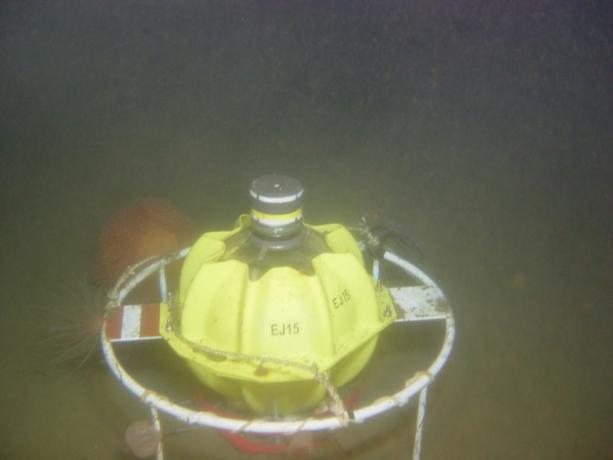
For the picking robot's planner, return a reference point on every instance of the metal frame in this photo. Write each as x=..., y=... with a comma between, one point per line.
x=416, y=384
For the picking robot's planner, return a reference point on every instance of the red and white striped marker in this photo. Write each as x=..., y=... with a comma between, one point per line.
x=130, y=323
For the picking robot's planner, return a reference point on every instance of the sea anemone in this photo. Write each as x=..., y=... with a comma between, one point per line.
x=72, y=327
x=146, y=228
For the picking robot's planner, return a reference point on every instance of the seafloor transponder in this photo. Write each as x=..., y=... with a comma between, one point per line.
x=268, y=307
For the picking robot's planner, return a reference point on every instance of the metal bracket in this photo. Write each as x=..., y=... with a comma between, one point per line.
x=419, y=303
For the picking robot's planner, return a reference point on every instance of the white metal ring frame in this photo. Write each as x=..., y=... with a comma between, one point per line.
x=418, y=383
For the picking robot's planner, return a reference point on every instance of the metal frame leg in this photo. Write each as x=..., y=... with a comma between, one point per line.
x=421, y=413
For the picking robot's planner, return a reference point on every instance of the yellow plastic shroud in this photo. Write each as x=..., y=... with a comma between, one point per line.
x=262, y=341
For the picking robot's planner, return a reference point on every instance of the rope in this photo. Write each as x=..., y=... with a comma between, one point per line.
x=337, y=407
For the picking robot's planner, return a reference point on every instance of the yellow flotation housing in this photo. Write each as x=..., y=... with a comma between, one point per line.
x=262, y=340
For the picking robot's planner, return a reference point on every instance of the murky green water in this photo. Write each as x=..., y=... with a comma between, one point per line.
x=484, y=127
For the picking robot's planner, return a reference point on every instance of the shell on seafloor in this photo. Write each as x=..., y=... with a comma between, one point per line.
x=142, y=439
x=146, y=228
